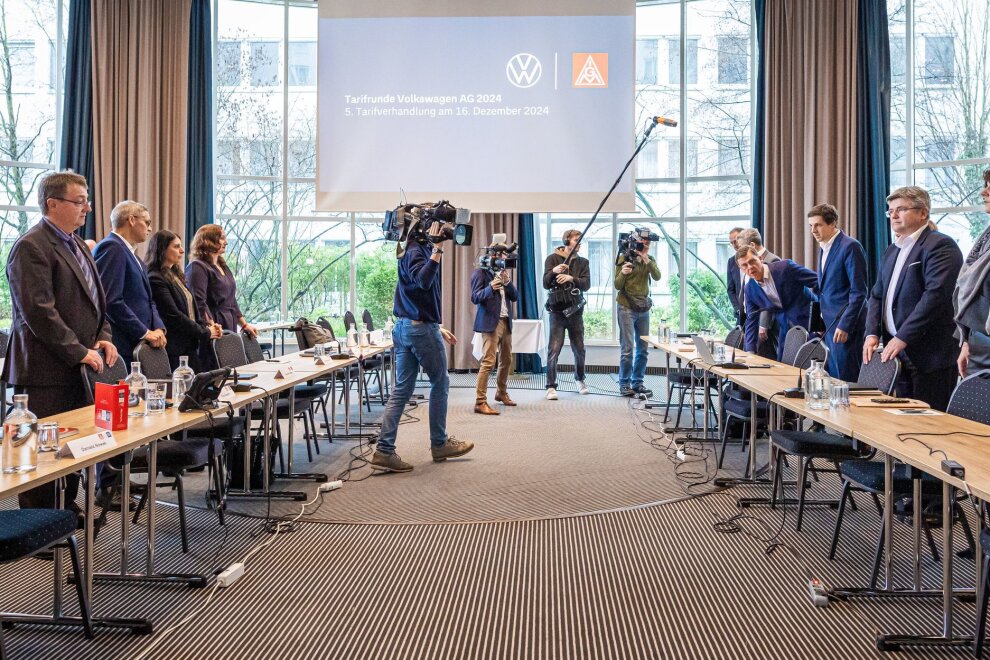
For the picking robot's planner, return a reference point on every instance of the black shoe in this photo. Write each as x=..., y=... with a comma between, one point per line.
x=112, y=503
x=640, y=389
x=627, y=391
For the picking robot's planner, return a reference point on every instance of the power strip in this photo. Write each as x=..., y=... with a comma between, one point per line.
x=819, y=594
x=231, y=575
x=330, y=485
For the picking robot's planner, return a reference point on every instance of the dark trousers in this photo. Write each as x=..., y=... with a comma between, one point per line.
x=44, y=402
x=574, y=325
x=933, y=387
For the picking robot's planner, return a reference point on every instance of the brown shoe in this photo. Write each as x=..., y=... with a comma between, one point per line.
x=504, y=399
x=485, y=409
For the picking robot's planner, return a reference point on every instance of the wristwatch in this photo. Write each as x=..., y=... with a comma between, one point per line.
x=437, y=250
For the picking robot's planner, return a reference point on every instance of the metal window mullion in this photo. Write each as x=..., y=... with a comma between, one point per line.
x=683, y=170
x=59, y=82
x=284, y=224
x=909, y=90
x=352, y=294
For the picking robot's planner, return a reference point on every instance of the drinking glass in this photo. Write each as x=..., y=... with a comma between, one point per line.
x=48, y=436
x=840, y=396
x=155, y=398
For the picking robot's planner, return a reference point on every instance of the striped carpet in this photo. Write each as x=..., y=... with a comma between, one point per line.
x=649, y=581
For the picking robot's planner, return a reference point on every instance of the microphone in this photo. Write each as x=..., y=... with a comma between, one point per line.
x=666, y=121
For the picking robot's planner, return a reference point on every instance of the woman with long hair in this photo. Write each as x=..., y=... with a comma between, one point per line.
x=212, y=283
x=972, y=299
x=188, y=332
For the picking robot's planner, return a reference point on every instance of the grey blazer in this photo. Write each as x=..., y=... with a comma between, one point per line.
x=54, y=319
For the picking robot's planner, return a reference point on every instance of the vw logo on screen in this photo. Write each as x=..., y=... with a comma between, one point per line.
x=524, y=70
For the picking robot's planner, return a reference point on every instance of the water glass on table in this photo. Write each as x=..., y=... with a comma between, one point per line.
x=48, y=436
x=154, y=402
x=839, y=399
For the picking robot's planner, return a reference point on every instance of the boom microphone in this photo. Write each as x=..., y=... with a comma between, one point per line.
x=666, y=121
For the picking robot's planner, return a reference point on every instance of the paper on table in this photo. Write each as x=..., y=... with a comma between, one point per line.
x=914, y=411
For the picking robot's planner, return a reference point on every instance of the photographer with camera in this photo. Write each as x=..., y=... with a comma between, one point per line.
x=419, y=342
x=492, y=291
x=633, y=270
x=567, y=276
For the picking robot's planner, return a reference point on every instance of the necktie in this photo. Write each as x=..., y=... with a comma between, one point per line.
x=94, y=293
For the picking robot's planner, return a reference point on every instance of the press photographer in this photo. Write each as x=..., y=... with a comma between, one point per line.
x=566, y=276
x=417, y=335
x=634, y=267
x=492, y=291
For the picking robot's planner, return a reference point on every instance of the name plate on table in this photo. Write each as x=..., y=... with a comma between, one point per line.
x=227, y=392
x=91, y=444
x=320, y=361
x=284, y=371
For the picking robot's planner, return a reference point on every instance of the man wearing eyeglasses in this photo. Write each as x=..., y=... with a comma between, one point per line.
x=59, y=313
x=910, y=306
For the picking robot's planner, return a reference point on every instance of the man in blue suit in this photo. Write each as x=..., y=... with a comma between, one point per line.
x=492, y=292
x=130, y=307
x=842, y=291
x=910, y=306
x=777, y=288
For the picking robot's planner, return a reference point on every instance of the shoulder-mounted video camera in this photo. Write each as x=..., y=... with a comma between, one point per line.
x=499, y=255
x=631, y=244
x=412, y=222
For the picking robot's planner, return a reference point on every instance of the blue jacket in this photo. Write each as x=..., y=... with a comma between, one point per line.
x=130, y=304
x=733, y=285
x=489, y=302
x=842, y=294
x=922, y=306
x=790, y=280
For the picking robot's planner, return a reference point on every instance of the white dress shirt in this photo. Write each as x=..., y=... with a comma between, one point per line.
x=826, y=247
x=904, y=244
x=769, y=288
x=129, y=247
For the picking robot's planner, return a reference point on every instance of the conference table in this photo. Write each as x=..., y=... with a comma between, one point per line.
x=920, y=441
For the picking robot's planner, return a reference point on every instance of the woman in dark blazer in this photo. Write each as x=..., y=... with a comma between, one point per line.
x=212, y=283
x=187, y=332
x=972, y=300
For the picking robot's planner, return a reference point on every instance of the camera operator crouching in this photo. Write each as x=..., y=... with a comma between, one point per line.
x=419, y=342
x=634, y=268
x=492, y=291
x=566, y=276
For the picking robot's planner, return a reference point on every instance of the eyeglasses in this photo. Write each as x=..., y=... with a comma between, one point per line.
x=85, y=202
x=899, y=210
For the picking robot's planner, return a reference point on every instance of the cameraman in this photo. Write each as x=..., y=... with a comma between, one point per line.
x=575, y=275
x=632, y=281
x=492, y=292
x=419, y=342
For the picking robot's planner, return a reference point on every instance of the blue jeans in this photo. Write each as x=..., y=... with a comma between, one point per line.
x=632, y=326
x=416, y=345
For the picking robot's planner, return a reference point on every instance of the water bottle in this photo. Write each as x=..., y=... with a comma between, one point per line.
x=182, y=378
x=352, y=338
x=817, y=387
x=364, y=336
x=136, y=382
x=20, y=438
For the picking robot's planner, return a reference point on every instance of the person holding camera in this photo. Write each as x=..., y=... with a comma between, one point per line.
x=492, y=291
x=567, y=279
x=419, y=342
x=633, y=271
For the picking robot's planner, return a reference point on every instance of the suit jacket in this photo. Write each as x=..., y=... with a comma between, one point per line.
x=842, y=294
x=489, y=302
x=186, y=335
x=130, y=305
x=791, y=281
x=922, y=306
x=733, y=285
x=55, y=322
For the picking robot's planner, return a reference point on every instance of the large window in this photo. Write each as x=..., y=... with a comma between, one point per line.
x=693, y=182
x=940, y=134
x=30, y=114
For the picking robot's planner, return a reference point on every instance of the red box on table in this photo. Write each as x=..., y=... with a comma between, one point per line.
x=111, y=406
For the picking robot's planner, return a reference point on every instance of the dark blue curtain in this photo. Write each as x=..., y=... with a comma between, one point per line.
x=199, y=130
x=873, y=132
x=759, y=121
x=77, y=111
x=528, y=306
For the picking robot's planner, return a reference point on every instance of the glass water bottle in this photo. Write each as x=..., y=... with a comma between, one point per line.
x=137, y=384
x=182, y=378
x=20, y=438
x=817, y=387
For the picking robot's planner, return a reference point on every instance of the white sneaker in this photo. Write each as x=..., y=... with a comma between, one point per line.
x=583, y=389
x=551, y=394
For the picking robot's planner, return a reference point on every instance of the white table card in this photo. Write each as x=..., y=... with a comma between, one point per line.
x=284, y=371
x=85, y=446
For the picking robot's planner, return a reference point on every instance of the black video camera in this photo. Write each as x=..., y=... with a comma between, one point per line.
x=413, y=221
x=631, y=244
x=499, y=256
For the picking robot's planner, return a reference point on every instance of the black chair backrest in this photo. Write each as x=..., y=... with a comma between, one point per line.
x=110, y=376
x=154, y=362
x=881, y=375
x=735, y=338
x=325, y=324
x=349, y=320
x=229, y=350
x=812, y=350
x=793, y=341
x=4, y=339
x=366, y=319
x=970, y=398
x=252, y=349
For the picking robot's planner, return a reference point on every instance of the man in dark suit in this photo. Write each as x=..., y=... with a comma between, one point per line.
x=910, y=306
x=130, y=304
x=733, y=279
x=842, y=291
x=492, y=292
x=59, y=313
x=777, y=289
x=768, y=327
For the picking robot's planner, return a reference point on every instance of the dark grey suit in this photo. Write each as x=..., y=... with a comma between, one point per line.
x=55, y=322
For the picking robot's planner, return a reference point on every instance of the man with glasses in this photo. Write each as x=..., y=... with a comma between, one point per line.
x=59, y=313
x=910, y=306
x=130, y=306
